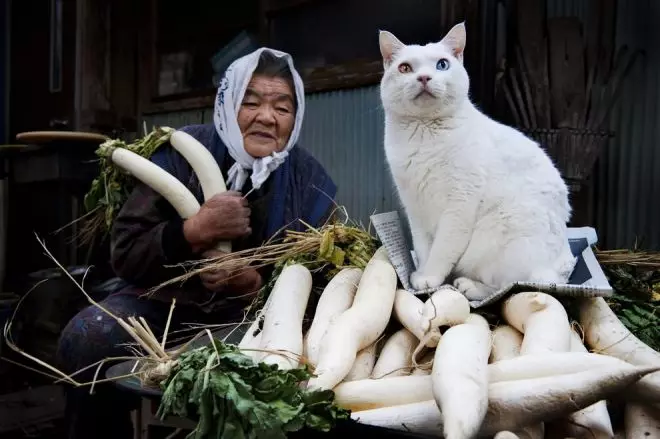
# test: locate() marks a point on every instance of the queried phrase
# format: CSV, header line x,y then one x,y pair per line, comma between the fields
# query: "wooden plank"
x,y
567,71
531,24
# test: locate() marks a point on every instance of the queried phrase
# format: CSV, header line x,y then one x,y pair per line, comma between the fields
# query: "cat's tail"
x,y
560,273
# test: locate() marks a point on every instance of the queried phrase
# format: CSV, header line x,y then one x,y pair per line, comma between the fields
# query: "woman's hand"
x,y
242,282
223,217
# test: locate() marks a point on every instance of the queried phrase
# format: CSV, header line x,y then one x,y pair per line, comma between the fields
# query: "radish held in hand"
x,y
149,173
205,167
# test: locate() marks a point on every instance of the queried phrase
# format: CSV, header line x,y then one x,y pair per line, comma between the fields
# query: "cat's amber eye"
x,y
405,68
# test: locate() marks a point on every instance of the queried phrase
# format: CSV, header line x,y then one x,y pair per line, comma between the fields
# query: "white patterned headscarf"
x,y
225,117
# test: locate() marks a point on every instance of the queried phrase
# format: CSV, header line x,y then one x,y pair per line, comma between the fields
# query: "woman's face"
x,y
267,115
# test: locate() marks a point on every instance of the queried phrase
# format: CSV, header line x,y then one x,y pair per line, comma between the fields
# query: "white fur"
x,y
483,201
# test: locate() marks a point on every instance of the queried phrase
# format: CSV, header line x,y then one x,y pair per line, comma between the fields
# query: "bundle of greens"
x,y
111,188
635,278
232,397
335,246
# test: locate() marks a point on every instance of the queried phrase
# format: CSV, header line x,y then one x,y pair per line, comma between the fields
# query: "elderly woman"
x,y
273,183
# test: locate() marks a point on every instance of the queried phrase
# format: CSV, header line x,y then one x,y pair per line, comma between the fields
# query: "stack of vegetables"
x,y
438,368
529,367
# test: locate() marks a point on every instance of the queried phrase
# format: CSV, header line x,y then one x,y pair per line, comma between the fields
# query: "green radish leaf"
x,y
242,399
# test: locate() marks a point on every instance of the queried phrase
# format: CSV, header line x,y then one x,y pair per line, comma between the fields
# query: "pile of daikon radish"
x,y
446,372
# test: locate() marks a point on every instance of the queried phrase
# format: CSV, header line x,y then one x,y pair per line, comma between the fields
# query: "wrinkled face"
x,y
424,81
266,115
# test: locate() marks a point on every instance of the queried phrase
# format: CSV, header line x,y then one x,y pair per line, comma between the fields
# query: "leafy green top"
x,y
230,396
111,188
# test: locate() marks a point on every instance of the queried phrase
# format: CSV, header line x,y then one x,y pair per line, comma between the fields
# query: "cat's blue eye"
x,y
443,64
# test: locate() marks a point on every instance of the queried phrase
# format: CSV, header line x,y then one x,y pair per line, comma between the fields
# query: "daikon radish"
x,y
161,181
556,363
642,422
542,319
408,310
395,358
357,327
201,161
377,393
425,364
251,340
336,298
460,376
410,389
526,402
363,365
604,333
381,255
506,345
205,167
590,422
445,307
418,418
507,341
282,328
512,404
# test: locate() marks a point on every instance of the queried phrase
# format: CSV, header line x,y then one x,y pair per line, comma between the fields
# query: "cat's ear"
x,y
455,40
389,46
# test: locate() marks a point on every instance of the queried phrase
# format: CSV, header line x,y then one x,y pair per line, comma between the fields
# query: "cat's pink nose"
x,y
424,79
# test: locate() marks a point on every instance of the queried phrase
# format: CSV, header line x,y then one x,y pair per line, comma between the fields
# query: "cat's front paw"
x,y
472,290
420,281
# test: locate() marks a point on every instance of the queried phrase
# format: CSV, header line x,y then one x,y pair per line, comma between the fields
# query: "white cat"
x,y
483,201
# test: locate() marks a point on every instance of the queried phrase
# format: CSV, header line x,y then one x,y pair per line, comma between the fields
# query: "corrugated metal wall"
x,y
344,131
627,178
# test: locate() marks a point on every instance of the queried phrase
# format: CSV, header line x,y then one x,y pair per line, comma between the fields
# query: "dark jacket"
x,y
147,234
